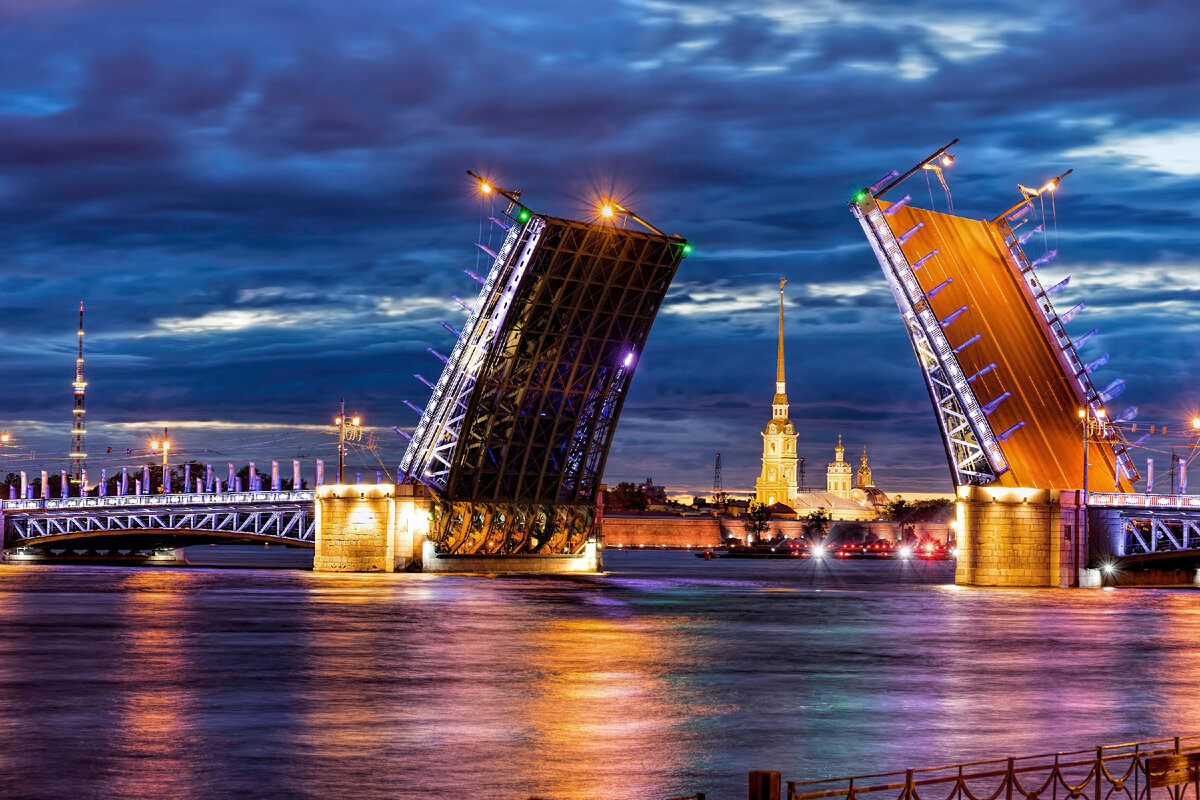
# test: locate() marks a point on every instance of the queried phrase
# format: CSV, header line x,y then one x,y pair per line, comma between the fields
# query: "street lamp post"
x,y
1089,418
164,445
349,429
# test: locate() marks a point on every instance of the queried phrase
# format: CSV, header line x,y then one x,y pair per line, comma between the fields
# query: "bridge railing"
x,y
1144,500
1130,770
152,500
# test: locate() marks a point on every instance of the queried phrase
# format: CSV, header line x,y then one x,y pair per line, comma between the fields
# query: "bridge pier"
x,y
1011,537
370,528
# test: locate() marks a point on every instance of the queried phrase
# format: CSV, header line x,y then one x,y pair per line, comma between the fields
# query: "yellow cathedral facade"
x,y
848,495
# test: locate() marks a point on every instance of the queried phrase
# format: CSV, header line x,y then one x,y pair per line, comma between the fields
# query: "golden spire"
x,y
780,400
779,362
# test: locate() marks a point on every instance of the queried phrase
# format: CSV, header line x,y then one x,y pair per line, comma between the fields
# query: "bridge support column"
x,y
414,504
355,529
1008,537
370,528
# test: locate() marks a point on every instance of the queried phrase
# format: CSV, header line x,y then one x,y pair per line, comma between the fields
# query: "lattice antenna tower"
x,y
78,454
718,491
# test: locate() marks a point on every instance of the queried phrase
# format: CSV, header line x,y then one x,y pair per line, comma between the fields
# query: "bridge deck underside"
x,y
1047,452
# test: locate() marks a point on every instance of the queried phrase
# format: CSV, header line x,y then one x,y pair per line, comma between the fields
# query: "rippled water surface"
x,y
666,676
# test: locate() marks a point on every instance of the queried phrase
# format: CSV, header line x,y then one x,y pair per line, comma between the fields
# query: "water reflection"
x,y
152,736
667,676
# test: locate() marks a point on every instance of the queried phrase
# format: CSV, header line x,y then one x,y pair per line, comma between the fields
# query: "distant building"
x,y
776,484
837,473
657,495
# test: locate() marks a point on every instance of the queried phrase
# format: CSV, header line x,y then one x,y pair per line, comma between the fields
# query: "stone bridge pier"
x,y
1030,538
371,527
1014,537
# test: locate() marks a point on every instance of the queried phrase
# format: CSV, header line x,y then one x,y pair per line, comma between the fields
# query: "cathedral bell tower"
x,y
837,473
864,472
777,482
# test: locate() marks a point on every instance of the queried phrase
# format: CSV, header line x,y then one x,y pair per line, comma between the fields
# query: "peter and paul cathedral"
x,y
777,481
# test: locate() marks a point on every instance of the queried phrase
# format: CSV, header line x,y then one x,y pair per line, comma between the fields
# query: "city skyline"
x,y
261,225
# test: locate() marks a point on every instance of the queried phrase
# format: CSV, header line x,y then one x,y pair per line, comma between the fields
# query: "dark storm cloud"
x,y
264,208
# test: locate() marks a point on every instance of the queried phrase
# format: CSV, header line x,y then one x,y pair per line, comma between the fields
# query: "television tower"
x,y
718,490
78,455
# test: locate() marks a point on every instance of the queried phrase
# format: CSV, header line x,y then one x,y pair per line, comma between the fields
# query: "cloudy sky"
x,y
264,206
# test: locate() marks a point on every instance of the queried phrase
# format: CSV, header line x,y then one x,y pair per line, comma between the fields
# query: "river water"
x,y
666,676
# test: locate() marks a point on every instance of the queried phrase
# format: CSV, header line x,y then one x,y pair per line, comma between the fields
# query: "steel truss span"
x,y
285,517
1004,376
527,404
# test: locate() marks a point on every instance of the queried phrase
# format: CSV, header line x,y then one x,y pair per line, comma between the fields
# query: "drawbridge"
x,y
1008,382
513,439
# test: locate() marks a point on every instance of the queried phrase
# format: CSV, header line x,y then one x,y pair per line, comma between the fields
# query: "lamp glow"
x,y
606,211
947,160
5,436
486,188
355,420
1195,426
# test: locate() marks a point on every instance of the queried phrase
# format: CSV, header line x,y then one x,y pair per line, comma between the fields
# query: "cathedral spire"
x,y
780,386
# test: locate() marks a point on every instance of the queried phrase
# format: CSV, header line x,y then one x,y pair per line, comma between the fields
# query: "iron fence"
x,y
1110,772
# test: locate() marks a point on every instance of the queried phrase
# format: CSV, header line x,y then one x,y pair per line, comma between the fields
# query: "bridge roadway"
x,y
1046,453
1134,530
150,521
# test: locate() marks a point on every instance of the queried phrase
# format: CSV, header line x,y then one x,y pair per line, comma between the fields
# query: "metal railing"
x,y
148,500
1142,500
1124,770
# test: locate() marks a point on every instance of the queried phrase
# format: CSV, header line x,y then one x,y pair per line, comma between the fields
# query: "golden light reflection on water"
x,y
152,738
462,681
607,719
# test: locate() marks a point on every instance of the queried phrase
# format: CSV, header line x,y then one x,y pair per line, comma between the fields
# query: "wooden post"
x,y
764,785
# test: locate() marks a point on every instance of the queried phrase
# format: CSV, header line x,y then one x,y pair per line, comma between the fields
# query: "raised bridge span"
x,y
1029,438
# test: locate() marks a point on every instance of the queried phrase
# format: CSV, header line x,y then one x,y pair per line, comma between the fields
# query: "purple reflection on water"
x,y
666,676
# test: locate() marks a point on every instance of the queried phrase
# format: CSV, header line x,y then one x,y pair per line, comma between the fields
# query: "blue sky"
x,y
264,205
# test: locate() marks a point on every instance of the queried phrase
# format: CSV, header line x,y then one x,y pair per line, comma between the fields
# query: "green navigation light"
x,y
524,215
687,248
858,198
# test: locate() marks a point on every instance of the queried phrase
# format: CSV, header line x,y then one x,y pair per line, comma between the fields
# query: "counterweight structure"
x,y
514,437
78,454
1005,377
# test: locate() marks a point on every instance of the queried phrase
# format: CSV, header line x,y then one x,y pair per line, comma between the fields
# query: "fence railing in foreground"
x,y
1130,771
